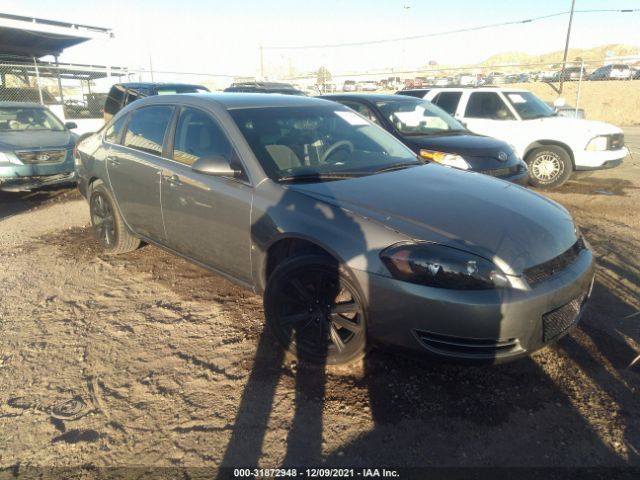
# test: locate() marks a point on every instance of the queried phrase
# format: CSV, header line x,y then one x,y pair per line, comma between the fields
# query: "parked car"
x,y
436,136
553,146
349,86
36,148
347,235
264,87
573,74
441,82
616,71
122,94
367,86
495,78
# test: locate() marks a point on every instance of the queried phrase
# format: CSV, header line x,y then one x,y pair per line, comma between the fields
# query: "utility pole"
x,y
151,66
261,61
566,47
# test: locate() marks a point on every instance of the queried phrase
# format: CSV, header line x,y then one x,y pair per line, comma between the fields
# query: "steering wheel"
x,y
333,148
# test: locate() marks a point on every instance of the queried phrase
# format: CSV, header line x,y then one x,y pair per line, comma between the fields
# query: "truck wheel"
x,y
549,167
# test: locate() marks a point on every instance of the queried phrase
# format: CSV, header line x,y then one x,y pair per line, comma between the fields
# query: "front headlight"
x,y
597,144
7,158
449,159
442,267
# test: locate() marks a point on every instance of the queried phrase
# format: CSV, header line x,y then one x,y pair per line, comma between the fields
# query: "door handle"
x,y
173,180
113,160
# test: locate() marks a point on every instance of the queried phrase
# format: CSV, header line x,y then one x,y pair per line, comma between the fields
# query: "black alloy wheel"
x,y
103,220
315,310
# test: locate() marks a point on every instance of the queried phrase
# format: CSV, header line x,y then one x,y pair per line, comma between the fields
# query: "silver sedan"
x,y
351,239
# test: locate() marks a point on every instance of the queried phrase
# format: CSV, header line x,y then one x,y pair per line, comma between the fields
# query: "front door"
x,y
206,218
486,113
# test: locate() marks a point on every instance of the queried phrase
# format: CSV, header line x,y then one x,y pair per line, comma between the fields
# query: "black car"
x,y
263,87
122,94
436,136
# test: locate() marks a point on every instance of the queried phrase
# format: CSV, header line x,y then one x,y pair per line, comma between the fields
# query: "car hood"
x,y
465,143
35,139
500,221
590,128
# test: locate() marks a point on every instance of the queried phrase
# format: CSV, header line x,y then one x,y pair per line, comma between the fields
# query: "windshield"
x,y
413,116
319,143
28,118
528,105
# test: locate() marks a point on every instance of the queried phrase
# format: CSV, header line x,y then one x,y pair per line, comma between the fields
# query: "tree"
x,y
323,76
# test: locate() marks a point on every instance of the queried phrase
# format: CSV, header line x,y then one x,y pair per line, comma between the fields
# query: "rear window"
x,y
447,101
413,93
147,128
114,100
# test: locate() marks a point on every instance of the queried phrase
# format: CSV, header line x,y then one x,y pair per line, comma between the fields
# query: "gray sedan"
x,y
350,238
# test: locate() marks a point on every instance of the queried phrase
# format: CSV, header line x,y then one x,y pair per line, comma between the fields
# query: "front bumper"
x,y
486,326
600,160
521,178
24,178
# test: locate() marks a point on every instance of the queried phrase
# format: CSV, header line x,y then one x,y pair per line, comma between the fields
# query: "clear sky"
x,y
224,36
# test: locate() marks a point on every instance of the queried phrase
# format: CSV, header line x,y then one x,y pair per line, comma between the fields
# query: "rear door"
x,y
207,218
135,166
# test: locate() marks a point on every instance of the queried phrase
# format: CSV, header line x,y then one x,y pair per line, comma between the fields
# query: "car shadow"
x,y
421,413
13,203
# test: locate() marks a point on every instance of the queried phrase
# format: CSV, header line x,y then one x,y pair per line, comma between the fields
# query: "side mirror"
x,y
502,114
214,165
71,125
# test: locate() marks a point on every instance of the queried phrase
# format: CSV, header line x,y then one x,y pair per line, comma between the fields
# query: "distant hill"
x,y
593,56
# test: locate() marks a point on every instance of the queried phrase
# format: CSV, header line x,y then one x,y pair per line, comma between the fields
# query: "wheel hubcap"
x,y
318,313
103,219
547,167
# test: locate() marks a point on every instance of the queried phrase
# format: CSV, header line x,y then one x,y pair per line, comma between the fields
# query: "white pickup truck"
x,y
552,146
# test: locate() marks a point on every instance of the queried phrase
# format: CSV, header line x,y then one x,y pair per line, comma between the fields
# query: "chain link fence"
x,y
78,92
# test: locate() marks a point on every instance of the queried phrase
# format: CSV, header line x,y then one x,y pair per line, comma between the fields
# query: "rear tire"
x,y
549,167
108,226
314,308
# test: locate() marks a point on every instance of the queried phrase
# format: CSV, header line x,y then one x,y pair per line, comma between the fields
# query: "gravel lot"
x,y
145,359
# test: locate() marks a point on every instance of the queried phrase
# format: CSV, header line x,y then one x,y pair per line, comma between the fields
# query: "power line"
x,y
449,32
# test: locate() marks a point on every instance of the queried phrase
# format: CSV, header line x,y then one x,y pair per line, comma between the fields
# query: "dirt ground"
x,y
146,360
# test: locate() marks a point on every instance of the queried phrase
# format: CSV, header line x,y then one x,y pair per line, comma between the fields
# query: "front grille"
x,y
557,321
42,156
467,347
502,172
616,141
545,270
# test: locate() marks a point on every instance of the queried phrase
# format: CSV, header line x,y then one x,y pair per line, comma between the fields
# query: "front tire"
x,y
108,226
315,310
549,167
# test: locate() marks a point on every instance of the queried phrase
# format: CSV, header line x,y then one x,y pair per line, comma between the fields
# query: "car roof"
x,y
231,100
371,97
21,104
157,84
482,89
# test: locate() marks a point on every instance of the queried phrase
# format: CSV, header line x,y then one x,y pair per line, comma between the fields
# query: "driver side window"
x,y
487,105
198,135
